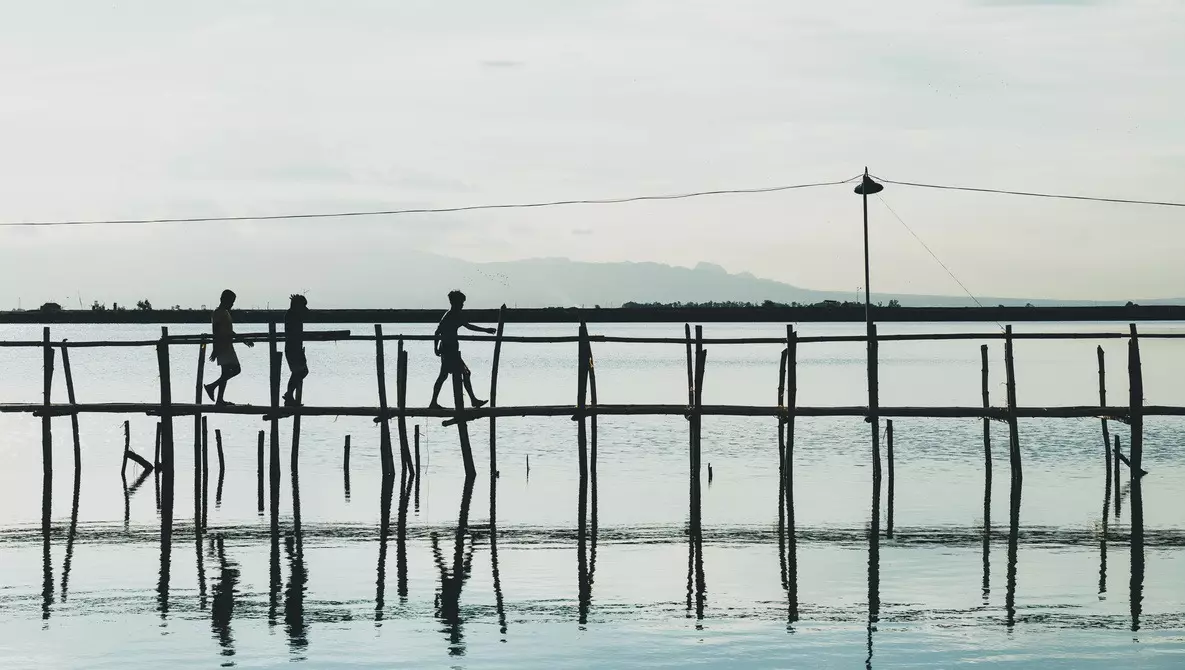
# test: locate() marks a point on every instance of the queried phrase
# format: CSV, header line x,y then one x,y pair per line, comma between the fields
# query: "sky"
x,y
168,109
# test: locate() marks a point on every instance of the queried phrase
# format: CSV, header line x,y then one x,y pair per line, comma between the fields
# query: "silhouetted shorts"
x,y
227,358
297,363
451,363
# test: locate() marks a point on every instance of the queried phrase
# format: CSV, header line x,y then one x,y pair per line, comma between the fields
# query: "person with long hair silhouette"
x,y
224,347
298,365
446,345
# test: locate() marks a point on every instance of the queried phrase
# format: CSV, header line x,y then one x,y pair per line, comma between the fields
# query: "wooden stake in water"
x,y
73,407
380,363
205,472
1010,382
1103,403
493,393
405,460
987,449
46,425
417,437
1135,408
198,460
276,359
259,473
889,457
791,402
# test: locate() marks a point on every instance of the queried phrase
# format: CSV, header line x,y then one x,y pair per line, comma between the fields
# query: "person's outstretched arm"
x,y
479,329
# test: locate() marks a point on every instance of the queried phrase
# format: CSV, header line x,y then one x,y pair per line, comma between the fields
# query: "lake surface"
x,y
355,574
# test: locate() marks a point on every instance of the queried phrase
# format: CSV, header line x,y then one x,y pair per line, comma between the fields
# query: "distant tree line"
x,y
767,304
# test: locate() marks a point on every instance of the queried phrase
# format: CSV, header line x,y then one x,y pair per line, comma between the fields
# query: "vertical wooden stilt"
x,y
127,448
1135,407
221,467
592,454
417,437
987,473
73,407
167,476
1103,421
493,393
889,461
205,472
407,466
46,425
259,474
1015,485
701,356
582,461
156,449
275,357
1010,381
380,363
198,391
463,427
791,402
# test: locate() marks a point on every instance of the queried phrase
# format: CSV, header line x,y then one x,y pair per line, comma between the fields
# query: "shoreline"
x,y
812,314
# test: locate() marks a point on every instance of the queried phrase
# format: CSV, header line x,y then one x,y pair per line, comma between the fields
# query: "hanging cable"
x,y
433,210
932,254
1031,194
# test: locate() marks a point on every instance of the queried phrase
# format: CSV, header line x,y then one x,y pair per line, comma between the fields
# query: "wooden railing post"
x,y
1135,406
73,406
493,395
46,416
384,427
275,357
405,460
198,461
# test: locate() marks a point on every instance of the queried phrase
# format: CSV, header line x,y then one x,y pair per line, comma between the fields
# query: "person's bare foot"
x,y
478,403
210,391
224,402
434,405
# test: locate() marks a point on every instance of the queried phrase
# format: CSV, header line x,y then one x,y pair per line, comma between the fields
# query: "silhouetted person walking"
x,y
448,348
298,366
224,347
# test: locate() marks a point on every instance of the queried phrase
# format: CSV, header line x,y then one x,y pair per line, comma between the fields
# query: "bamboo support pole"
x,y
1103,420
167,462
221,467
987,448
46,426
156,449
127,449
889,462
205,472
198,460
71,399
405,460
493,397
462,426
1135,408
1118,486
417,440
294,456
582,426
380,363
1014,461
275,358
259,474
791,400
592,441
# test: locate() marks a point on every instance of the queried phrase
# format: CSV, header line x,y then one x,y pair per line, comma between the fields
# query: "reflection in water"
x,y
298,576
498,601
46,559
874,546
223,600
384,532
1103,536
71,533
1013,536
787,532
1137,547
401,537
294,619
166,516
448,608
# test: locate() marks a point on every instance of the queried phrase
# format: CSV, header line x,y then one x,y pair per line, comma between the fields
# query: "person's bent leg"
x,y
467,378
440,379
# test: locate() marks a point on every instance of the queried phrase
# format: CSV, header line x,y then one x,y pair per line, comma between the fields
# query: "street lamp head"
x,y
868,187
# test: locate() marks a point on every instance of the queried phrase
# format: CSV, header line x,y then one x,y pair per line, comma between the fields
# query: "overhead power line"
x,y
434,210
1031,194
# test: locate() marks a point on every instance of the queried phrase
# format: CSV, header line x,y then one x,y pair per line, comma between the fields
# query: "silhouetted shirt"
x,y
447,331
223,329
294,330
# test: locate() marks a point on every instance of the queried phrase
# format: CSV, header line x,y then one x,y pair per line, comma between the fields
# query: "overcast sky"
x,y
162,109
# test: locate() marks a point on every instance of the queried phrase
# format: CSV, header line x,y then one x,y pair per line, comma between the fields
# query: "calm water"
x,y
436,586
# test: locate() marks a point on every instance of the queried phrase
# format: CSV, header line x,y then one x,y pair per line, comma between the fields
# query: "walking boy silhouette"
x,y
448,348
298,366
224,347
